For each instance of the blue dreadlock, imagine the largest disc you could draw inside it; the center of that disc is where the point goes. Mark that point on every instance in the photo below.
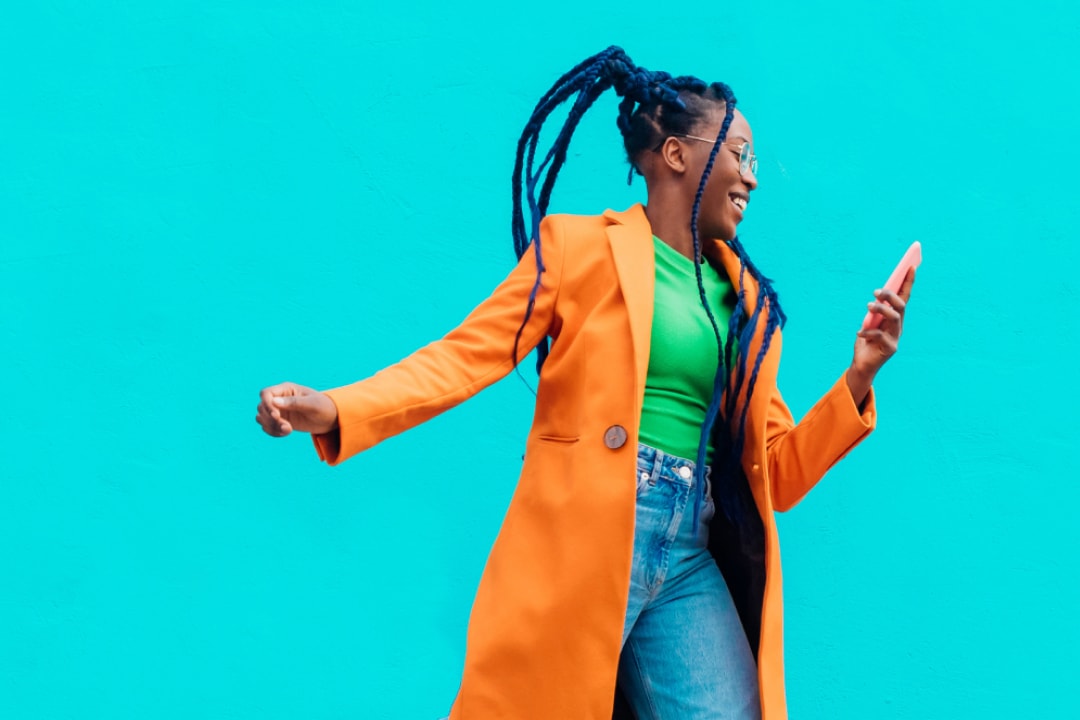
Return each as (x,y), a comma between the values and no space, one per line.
(654,106)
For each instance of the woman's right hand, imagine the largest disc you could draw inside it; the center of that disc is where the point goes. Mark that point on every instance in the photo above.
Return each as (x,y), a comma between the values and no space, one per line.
(288,406)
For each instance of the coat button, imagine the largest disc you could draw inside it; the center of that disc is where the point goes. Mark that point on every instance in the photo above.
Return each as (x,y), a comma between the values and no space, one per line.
(615,437)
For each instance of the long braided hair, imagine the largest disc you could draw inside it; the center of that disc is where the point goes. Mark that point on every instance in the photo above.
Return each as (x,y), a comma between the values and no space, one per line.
(654,106)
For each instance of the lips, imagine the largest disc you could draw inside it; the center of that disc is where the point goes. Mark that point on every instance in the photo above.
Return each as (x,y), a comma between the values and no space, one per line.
(739,200)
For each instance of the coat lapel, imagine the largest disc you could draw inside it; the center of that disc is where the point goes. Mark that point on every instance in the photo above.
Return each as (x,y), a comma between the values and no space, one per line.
(631,242)
(630,237)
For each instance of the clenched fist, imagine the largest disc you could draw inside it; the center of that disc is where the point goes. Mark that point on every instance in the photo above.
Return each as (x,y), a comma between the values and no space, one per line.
(288,406)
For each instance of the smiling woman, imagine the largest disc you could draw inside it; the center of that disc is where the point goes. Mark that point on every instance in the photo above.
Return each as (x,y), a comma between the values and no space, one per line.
(638,562)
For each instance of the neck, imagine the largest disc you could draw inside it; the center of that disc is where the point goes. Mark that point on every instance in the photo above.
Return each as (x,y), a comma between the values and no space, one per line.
(671,223)
(669,214)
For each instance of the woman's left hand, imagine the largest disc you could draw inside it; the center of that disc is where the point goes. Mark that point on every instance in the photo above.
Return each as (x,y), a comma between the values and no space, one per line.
(874,346)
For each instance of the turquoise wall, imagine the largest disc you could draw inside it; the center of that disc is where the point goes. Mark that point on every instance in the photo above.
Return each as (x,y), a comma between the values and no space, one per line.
(199,199)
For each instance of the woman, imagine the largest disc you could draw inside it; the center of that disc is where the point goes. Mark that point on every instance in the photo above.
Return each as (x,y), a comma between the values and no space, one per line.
(639,549)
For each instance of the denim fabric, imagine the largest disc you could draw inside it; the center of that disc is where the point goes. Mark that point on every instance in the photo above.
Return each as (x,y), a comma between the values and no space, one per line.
(685,654)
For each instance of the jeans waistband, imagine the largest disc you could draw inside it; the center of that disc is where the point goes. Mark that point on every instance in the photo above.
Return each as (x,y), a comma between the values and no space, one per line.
(680,470)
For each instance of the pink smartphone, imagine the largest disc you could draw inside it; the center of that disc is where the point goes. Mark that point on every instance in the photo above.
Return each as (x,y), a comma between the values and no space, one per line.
(912,259)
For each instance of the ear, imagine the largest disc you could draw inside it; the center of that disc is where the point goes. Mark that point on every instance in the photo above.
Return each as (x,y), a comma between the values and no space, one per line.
(673,154)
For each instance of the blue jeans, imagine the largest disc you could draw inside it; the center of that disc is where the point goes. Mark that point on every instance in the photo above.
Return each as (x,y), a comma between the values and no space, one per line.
(685,654)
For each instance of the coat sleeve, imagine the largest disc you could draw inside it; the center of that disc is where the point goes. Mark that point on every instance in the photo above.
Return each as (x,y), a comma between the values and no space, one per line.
(437,377)
(800,454)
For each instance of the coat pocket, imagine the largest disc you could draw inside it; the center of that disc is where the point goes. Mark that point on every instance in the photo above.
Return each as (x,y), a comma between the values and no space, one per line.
(562,439)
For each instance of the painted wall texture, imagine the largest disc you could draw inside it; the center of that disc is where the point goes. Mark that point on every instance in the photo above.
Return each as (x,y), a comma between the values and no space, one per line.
(199,199)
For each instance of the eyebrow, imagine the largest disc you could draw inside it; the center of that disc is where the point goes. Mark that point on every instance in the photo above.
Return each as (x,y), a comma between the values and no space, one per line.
(744,139)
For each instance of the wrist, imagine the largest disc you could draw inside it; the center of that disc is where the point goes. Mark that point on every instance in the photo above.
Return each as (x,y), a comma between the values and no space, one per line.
(859,382)
(331,414)
(861,374)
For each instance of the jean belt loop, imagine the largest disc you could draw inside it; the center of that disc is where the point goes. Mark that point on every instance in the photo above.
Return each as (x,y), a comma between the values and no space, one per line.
(658,466)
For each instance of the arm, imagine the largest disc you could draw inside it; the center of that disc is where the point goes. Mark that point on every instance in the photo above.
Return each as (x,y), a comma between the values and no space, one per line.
(800,455)
(439,376)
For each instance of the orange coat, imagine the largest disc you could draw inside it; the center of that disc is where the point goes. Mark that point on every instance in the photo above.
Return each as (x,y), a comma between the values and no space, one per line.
(546,626)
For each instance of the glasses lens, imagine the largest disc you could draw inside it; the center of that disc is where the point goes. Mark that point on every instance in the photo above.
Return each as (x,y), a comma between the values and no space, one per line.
(747,162)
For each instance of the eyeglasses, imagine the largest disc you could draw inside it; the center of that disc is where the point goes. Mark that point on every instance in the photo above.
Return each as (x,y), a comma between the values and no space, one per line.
(747,159)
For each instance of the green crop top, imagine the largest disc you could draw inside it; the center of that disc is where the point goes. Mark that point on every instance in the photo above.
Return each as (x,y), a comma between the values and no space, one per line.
(683,356)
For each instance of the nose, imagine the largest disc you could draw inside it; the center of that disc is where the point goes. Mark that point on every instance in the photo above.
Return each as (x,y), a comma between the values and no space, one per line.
(750,180)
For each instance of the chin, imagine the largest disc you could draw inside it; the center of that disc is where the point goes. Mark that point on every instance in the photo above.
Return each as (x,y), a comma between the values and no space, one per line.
(725,231)
(725,234)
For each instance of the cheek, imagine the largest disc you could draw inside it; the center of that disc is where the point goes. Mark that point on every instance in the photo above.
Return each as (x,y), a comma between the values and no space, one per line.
(723,178)
(718,201)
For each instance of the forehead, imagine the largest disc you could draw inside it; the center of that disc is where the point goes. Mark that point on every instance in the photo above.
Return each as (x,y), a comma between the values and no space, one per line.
(739,131)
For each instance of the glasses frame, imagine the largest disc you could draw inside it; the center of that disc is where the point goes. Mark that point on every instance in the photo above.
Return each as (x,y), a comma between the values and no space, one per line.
(747,160)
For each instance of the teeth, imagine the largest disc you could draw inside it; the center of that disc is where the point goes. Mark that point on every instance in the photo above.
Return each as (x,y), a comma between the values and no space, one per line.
(739,202)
